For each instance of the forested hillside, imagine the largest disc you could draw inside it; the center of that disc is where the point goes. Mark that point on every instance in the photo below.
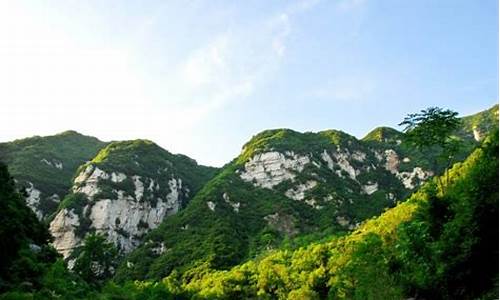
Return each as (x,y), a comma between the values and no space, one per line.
(44,166)
(294,216)
(288,187)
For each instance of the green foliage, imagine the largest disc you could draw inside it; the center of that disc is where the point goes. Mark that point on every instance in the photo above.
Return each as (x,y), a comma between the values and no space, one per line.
(439,244)
(33,160)
(483,122)
(442,243)
(19,228)
(432,126)
(96,259)
(384,135)
(288,140)
(145,158)
(29,267)
(224,237)
(451,248)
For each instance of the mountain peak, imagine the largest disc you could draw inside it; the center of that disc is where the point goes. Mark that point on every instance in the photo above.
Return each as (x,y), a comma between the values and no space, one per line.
(69,132)
(382,134)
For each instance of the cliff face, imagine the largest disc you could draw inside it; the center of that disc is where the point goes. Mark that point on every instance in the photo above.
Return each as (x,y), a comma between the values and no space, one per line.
(127,190)
(286,184)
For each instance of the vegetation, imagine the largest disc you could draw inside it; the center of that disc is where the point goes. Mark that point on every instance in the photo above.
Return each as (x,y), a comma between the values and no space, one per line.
(441,243)
(223,238)
(433,128)
(28,265)
(96,260)
(48,163)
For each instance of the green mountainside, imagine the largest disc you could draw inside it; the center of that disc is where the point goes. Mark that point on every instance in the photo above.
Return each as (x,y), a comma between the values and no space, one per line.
(440,243)
(127,189)
(46,165)
(478,125)
(286,187)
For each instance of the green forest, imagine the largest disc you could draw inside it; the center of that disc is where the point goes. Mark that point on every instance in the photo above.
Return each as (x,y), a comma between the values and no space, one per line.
(439,242)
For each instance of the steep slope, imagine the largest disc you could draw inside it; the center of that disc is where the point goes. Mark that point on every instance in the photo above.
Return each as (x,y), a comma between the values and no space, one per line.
(44,166)
(478,125)
(285,184)
(124,192)
(442,243)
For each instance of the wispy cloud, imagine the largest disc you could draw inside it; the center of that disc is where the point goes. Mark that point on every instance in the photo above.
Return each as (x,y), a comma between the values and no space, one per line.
(233,64)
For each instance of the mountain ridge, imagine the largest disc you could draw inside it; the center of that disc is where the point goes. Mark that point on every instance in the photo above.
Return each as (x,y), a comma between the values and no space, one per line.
(305,182)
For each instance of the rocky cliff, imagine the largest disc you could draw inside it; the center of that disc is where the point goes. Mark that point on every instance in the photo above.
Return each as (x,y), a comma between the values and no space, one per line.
(128,189)
(287,184)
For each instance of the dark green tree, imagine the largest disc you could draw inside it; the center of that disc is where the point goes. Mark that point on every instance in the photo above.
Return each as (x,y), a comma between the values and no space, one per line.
(97,259)
(20,233)
(432,129)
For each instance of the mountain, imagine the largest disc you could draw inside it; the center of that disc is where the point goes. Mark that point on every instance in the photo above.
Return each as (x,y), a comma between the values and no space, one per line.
(287,185)
(126,190)
(478,125)
(44,166)
(295,215)
(441,243)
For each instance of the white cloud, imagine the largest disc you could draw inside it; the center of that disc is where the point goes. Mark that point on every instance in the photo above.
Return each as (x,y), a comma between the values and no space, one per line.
(57,74)
(284,29)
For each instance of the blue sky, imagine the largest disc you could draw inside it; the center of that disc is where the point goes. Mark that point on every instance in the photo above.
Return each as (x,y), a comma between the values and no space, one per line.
(202,77)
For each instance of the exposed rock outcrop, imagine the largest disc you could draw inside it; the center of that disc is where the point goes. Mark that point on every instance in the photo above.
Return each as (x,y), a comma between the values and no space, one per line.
(271,168)
(123,216)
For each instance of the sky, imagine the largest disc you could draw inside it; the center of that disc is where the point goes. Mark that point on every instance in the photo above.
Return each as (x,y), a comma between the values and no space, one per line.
(202,77)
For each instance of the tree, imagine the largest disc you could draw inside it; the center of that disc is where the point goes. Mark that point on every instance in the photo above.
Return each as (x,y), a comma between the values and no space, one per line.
(97,259)
(20,234)
(433,128)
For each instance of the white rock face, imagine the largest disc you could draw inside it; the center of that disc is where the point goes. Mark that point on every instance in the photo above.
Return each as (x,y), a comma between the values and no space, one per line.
(160,249)
(271,168)
(312,202)
(86,181)
(341,159)
(378,155)
(33,200)
(477,134)
(139,187)
(391,161)
(118,177)
(211,205)
(54,163)
(342,221)
(123,219)
(370,188)
(62,229)
(359,156)
(328,159)
(234,205)
(343,162)
(408,178)
(173,199)
(298,192)
(130,216)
